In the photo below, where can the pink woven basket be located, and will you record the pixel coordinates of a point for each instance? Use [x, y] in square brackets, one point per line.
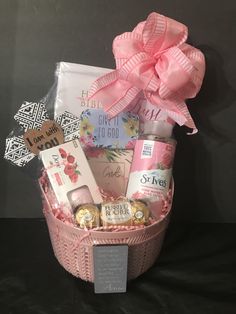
[73, 247]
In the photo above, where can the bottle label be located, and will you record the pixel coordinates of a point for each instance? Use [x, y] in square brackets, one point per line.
[147, 149]
[151, 169]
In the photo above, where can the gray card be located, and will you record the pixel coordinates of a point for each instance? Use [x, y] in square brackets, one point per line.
[110, 268]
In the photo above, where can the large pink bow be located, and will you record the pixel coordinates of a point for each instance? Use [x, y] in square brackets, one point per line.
[153, 60]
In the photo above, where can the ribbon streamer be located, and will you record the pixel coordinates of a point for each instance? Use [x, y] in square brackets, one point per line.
[153, 61]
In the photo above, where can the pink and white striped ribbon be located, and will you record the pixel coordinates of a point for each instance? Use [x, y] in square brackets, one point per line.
[153, 60]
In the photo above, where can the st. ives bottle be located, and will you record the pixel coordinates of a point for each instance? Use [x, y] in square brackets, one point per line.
[151, 169]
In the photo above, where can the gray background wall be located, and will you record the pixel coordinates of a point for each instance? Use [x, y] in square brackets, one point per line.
[35, 34]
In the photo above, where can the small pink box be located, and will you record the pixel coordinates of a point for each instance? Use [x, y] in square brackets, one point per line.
[111, 168]
[70, 175]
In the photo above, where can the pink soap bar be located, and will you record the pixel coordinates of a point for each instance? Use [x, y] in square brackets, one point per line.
[70, 176]
[80, 196]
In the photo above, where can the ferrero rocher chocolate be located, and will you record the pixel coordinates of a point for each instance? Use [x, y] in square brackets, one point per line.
[140, 212]
[116, 213]
[87, 216]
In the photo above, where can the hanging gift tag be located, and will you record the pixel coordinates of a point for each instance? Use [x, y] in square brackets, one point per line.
[110, 268]
[50, 135]
[40, 132]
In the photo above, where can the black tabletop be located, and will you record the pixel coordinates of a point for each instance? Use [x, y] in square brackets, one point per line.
[195, 273]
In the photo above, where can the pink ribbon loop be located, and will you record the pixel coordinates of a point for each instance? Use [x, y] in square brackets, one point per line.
[153, 60]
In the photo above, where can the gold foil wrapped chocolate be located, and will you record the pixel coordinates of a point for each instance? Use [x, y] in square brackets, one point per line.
[116, 213]
[87, 216]
[125, 213]
[140, 212]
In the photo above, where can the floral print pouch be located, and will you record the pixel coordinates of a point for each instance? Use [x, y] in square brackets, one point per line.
[98, 130]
